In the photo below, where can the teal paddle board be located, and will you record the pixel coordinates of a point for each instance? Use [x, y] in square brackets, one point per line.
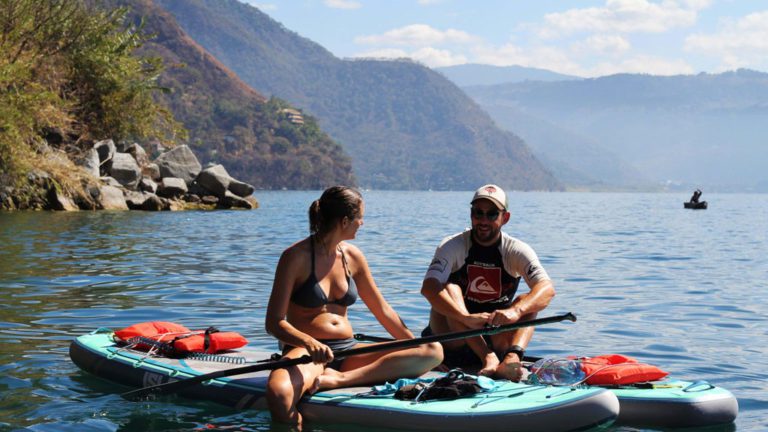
[508, 407]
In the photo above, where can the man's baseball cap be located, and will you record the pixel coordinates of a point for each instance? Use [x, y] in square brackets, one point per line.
[492, 193]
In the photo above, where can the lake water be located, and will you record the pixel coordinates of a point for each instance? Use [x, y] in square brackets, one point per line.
[685, 290]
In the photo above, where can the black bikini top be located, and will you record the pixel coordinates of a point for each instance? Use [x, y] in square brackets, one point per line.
[310, 294]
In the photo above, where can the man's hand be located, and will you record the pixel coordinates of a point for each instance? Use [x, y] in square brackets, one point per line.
[476, 320]
[504, 316]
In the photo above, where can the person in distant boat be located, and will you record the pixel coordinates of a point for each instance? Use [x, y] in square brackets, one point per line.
[317, 279]
[471, 283]
[695, 196]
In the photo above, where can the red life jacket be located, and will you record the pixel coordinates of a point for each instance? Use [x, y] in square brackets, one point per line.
[615, 369]
[182, 339]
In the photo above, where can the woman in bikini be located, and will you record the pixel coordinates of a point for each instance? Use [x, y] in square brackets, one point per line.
[316, 280]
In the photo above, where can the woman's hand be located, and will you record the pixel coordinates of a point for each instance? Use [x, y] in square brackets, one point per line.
[319, 352]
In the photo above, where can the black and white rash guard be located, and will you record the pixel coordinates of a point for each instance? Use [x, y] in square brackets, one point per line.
[488, 275]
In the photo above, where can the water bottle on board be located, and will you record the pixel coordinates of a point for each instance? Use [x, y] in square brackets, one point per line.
[557, 371]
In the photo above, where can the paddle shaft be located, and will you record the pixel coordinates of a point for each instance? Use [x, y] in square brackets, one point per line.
[175, 386]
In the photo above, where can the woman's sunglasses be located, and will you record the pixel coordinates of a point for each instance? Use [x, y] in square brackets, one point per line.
[491, 215]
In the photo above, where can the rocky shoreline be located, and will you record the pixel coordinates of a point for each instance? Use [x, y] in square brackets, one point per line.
[122, 177]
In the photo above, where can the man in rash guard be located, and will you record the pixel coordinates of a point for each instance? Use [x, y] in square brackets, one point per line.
[472, 282]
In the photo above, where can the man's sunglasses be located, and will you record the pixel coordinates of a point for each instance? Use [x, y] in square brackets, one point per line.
[491, 215]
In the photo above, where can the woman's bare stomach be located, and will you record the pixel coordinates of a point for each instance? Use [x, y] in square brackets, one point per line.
[323, 325]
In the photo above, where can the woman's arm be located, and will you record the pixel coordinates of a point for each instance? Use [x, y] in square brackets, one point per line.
[370, 294]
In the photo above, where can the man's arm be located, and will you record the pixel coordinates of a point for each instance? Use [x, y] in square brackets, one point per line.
[445, 305]
[537, 299]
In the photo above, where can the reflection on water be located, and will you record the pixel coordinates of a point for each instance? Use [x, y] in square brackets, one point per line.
[682, 289]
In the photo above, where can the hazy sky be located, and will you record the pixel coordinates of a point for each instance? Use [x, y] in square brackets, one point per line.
[585, 38]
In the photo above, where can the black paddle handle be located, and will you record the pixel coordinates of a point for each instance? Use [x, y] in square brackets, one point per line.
[445, 337]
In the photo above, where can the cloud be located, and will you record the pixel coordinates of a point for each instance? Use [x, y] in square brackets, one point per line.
[603, 44]
[417, 35]
[738, 43]
[438, 57]
[343, 4]
[429, 56]
[544, 57]
[384, 53]
[624, 16]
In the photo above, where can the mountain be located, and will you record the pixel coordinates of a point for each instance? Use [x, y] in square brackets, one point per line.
[478, 74]
[404, 125]
[229, 122]
[704, 130]
[579, 161]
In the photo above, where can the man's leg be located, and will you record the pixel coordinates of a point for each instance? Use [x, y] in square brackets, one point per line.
[509, 366]
[441, 324]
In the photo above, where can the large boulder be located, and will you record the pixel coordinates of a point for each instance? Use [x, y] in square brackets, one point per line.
[179, 163]
[125, 170]
[215, 179]
[111, 198]
[144, 201]
[139, 154]
[172, 187]
[230, 200]
[152, 171]
[240, 189]
[106, 149]
[147, 185]
[58, 200]
[90, 162]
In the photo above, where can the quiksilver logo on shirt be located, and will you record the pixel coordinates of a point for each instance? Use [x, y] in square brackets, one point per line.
[484, 283]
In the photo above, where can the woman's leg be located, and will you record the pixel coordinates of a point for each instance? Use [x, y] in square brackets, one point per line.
[286, 386]
[383, 366]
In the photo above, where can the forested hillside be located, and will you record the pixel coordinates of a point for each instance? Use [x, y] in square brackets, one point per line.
[404, 125]
[257, 139]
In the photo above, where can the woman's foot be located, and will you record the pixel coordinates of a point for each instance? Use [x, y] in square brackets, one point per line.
[331, 378]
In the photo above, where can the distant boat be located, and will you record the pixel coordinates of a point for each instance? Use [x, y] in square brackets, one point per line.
[701, 205]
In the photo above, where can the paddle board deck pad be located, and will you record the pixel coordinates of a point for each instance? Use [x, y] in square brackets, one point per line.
[509, 407]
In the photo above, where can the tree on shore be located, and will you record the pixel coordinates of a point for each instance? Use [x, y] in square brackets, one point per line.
[69, 67]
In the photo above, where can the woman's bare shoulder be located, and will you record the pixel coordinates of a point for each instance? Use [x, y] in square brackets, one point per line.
[298, 251]
[354, 255]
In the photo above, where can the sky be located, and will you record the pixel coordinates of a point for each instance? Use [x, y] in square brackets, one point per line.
[587, 38]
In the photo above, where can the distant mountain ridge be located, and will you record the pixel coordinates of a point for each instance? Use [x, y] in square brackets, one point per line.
[705, 130]
[231, 123]
[479, 74]
[405, 126]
